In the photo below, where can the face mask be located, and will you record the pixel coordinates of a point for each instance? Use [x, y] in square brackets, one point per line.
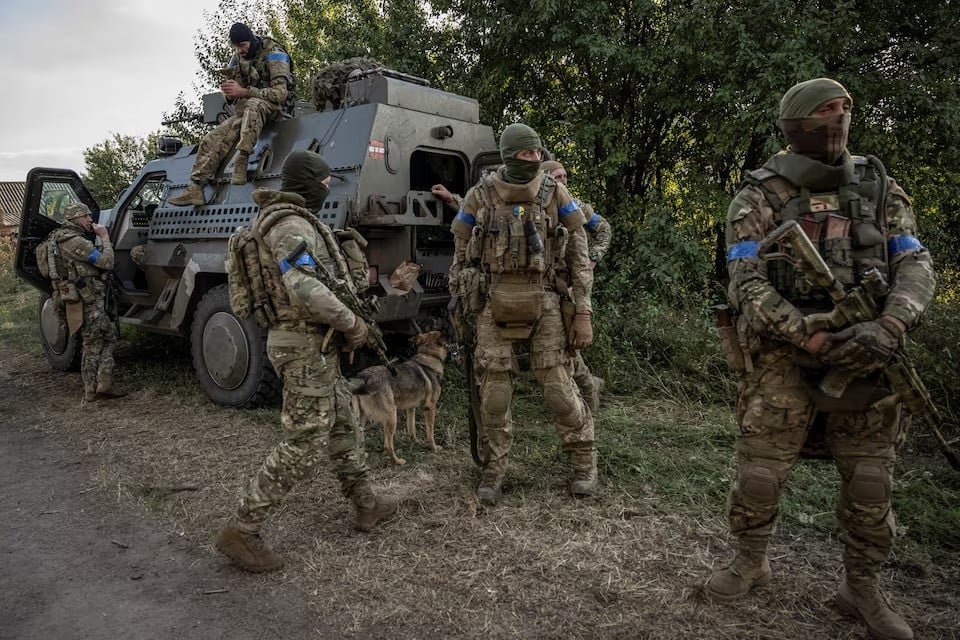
[518, 171]
[822, 139]
[315, 196]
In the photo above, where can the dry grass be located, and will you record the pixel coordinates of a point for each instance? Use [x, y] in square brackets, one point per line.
[542, 565]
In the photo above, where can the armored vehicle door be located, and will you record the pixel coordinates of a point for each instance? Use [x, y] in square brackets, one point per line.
[483, 162]
[48, 193]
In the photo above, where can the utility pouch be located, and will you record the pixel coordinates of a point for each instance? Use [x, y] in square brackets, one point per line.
[516, 309]
[725, 318]
[468, 288]
[568, 309]
[68, 292]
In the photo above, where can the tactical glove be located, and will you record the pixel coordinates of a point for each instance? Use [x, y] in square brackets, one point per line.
[864, 347]
[355, 336]
[582, 332]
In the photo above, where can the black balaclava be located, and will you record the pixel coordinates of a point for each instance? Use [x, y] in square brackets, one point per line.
[518, 137]
[820, 138]
[240, 32]
[302, 174]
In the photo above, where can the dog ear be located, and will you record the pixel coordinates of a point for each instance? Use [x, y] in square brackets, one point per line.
[419, 338]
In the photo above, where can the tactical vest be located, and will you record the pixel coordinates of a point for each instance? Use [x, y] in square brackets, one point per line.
[847, 225]
[500, 242]
[257, 72]
[257, 288]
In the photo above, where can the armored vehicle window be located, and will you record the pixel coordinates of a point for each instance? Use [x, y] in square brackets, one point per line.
[430, 167]
[55, 197]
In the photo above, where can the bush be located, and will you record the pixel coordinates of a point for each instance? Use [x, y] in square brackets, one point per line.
[9, 282]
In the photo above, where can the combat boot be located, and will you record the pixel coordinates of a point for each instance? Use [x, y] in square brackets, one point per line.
[871, 607]
[584, 481]
[247, 550]
[89, 394]
[372, 510]
[104, 383]
[747, 570]
[193, 194]
[240, 168]
[488, 493]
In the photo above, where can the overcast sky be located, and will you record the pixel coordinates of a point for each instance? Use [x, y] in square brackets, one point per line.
[76, 71]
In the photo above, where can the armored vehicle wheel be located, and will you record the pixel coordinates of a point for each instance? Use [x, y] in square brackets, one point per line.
[62, 350]
[230, 354]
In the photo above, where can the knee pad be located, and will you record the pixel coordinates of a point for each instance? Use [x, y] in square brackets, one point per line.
[560, 399]
[870, 483]
[495, 392]
[759, 483]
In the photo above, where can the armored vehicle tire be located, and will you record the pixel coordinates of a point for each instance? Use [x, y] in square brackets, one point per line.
[62, 350]
[230, 354]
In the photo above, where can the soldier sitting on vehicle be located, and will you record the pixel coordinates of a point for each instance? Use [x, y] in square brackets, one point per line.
[260, 80]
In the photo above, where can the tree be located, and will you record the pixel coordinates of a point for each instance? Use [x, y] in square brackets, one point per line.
[111, 165]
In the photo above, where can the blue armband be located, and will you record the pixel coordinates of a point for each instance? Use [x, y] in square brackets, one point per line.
[277, 57]
[593, 221]
[743, 249]
[93, 256]
[466, 218]
[899, 244]
[567, 209]
[305, 260]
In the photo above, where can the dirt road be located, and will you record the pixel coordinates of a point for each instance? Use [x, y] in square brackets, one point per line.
[75, 563]
[94, 544]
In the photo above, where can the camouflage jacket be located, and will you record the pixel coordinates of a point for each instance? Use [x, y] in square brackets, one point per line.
[770, 314]
[302, 296]
[562, 210]
[82, 257]
[601, 234]
[269, 75]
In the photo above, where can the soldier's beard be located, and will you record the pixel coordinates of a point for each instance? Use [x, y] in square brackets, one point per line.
[819, 138]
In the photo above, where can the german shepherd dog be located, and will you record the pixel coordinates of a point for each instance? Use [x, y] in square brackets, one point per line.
[378, 394]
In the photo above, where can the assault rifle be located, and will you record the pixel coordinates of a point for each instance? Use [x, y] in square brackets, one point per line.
[364, 309]
[859, 304]
[466, 342]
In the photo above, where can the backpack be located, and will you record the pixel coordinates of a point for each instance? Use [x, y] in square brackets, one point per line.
[47, 254]
[247, 279]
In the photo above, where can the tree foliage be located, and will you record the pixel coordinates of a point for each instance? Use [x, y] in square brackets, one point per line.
[111, 165]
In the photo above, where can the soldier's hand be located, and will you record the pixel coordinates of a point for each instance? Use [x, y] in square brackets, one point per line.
[443, 193]
[355, 336]
[581, 335]
[100, 230]
[233, 90]
[864, 347]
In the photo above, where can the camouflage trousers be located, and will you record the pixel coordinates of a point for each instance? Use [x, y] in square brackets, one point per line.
[241, 129]
[582, 374]
[775, 413]
[99, 333]
[316, 417]
[496, 365]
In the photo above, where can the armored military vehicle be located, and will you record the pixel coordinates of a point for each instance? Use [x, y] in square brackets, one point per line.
[388, 141]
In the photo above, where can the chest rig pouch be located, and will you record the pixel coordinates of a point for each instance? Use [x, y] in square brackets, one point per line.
[847, 225]
[517, 253]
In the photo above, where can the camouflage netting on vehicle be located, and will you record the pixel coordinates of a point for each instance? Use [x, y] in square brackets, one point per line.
[328, 82]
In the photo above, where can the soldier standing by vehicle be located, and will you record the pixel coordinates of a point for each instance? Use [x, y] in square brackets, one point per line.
[81, 290]
[861, 222]
[261, 82]
[316, 412]
[519, 239]
[600, 236]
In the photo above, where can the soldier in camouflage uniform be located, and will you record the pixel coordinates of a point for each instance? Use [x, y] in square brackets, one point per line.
[600, 236]
[262, 84]
[84, 265]
[519, 239]
[858, 219]
[316, 415]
